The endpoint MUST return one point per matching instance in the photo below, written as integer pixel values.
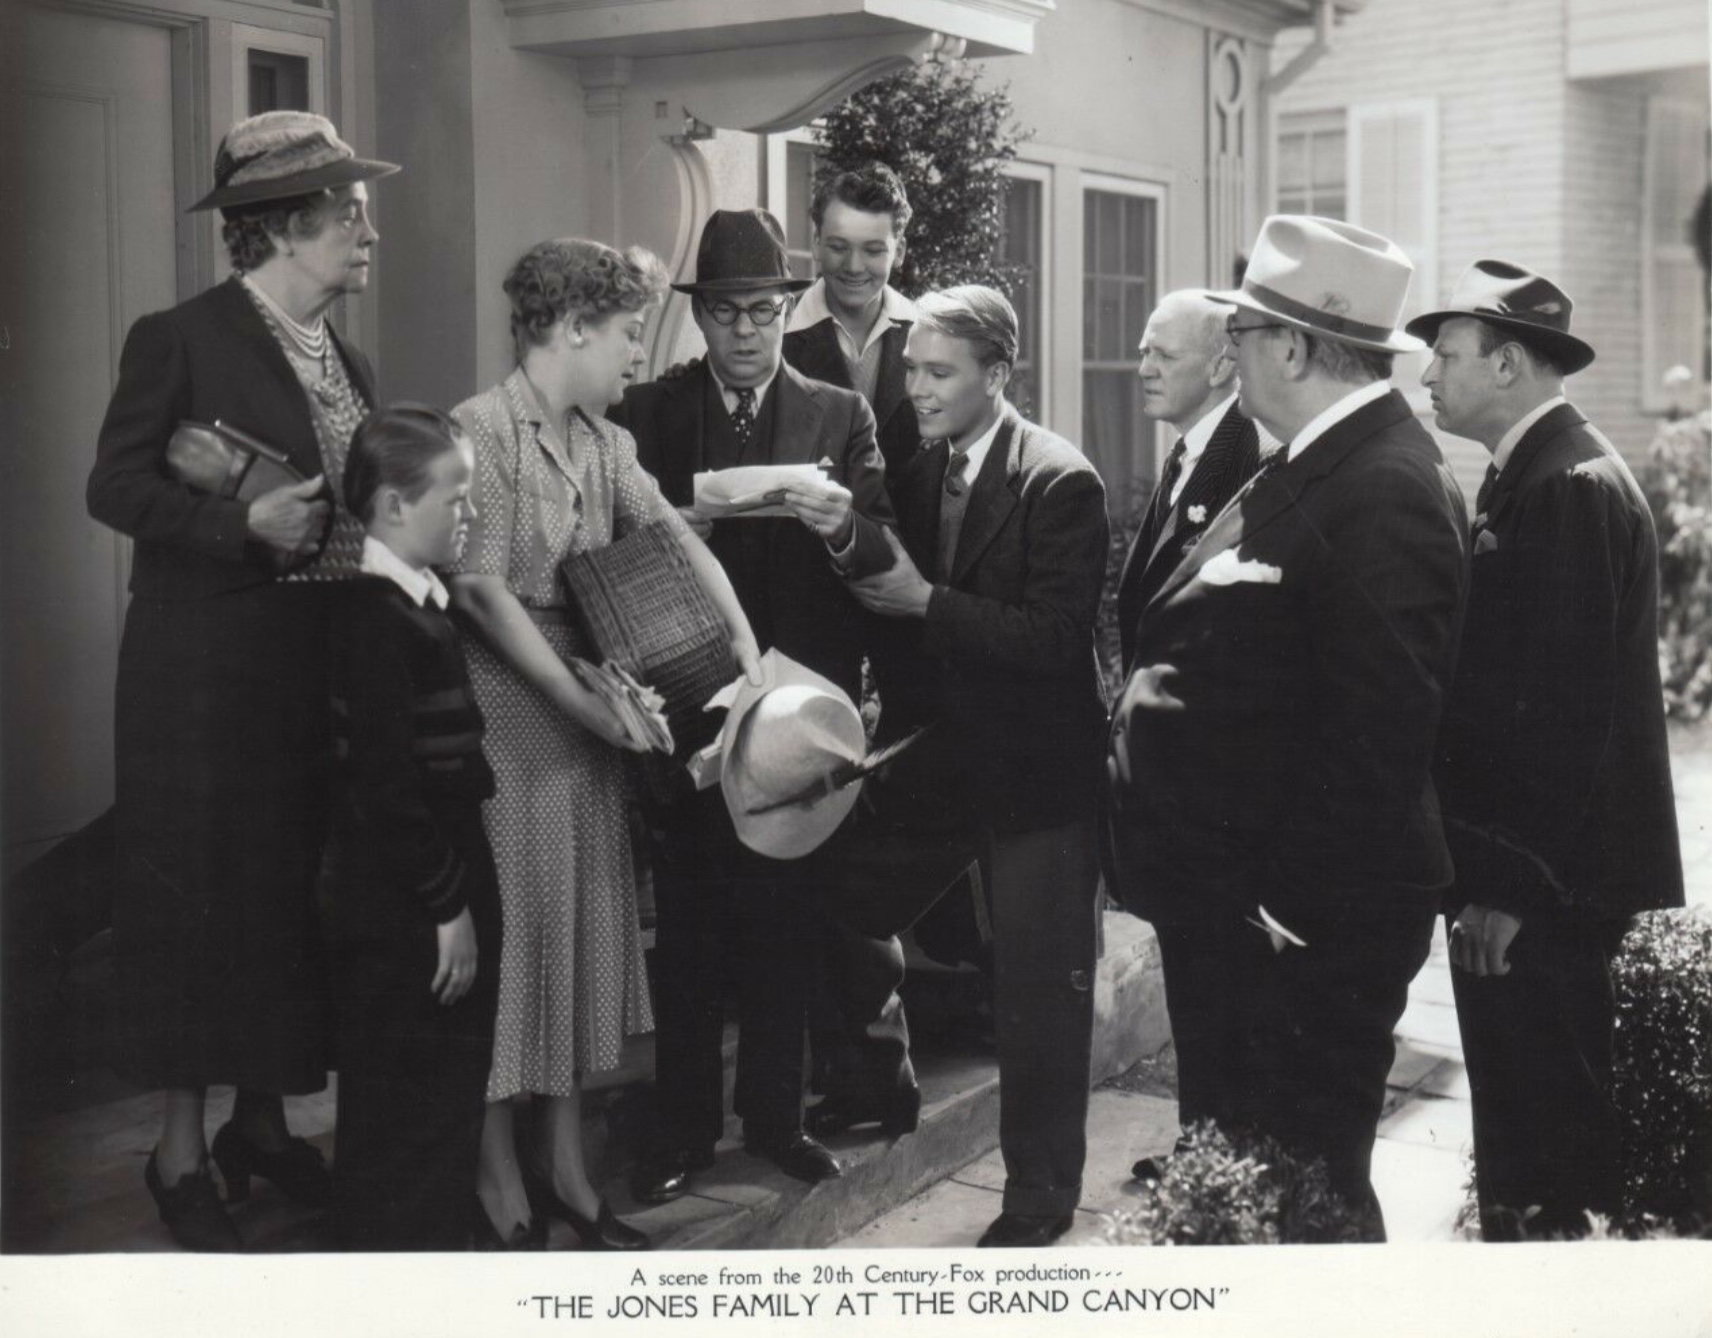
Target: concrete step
(745, 1202)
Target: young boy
(415, 918)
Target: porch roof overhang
(642, 29)
(765, 65)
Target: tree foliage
(948, 138)
(1677, 480)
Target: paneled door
(89, 244)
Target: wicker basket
(639, 603)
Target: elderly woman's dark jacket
(220, 723)
(210, 358)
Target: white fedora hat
(782, 747)
(1330, 279)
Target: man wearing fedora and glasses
(1553, 765)
(1271, 749)
(717, 901)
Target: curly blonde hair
(571, 275)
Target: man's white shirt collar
(978, 452)
(812, 309)
(1195, 442)
(1519, 429)
(1331, 416)
(730, 396)
(420, 586)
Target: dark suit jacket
(791, 592)
(209, 358)
(815, 353)
(1311, 695)
(1229, 461)
(1553, 763)
(1004, 659)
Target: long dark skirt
(222, 804)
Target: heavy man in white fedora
(1271, 749)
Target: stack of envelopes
(637, 706)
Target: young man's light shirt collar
(977, 452)
(421, 586)
(895, 309)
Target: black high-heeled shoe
(298, 1169)
(485, 1236)
(192, 1212)
(603, 1232)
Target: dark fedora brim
(743, 285)
(329, 177)
(1563, 348)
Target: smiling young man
(993, 596)
(849, 328)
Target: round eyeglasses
(761, 313)
(1235, 332)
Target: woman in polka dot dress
(552, 477)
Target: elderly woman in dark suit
(221, 729)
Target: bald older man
(1188, 379)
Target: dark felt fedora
(1535, 310)
(742, 249)
(281, 154)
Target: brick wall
(1532, 168)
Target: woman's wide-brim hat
(282, 154)
(1328, 278)
(781, 744)
(1517, 300)
(740, 250)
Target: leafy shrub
(1663, 1073)
(1662, 1084)
(948, 138)
(1677, 481)
(1217, 1190)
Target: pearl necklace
(310, 341)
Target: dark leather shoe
(602, 1232)
(897, 1114)
(298, 1168)
(192, 1212)
(484, 1236)
(667, 1176)
(1149, 1170)
(796, 1154)
(1018, 1230)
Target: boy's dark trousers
(412, 1074)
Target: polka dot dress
(571, 980)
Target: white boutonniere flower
(1229, 569)
(1197, 514)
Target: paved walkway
(1424, 1136)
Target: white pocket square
(1228, 569)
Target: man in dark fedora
(720, 905)
(993, 595)
(1271, 749)
(1552, 764)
